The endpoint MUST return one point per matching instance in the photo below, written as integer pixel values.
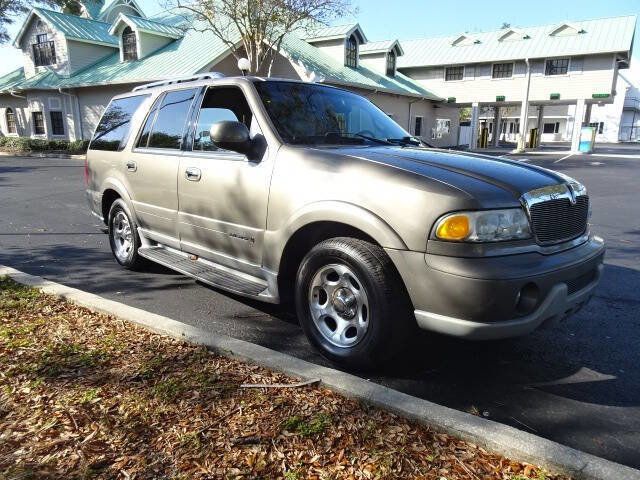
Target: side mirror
(232, 136)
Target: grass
(86, 396)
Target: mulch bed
(83, 395)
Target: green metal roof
(323, 32)
(11, 79)
(604, 35)
(74, 27)
(93, 7)
(381, 47)
(149, 26)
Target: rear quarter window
(113, 130)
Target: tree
(11, 9)
(259, 26)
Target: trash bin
(587, 139)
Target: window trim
(391, 54)
(444, 73)
(64, 132)
(44, 123)
(513, 68)
(544, 71)
(132, 33)
(347, 51)
(7, 111)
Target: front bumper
(478, 298)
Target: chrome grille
(557, 220)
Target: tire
(123, 236)
(351, 303)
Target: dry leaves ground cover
(83, 395)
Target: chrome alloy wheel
(339, 305)
(122, 236)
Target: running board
(209, 273)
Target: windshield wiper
(404, 141)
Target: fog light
(527, 298)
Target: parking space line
(564, 158)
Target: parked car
(286, 191)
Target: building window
(391, 64)
(557, 66)
(129, 45)
(502, 70)
(599, 126)
(351, 54)
(453, 73)
(44, 51)
(57, 124)
(418, 128)
(11, 121)
(38, 123)
(551, 127)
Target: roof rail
(170, 81)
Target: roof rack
(170, 81)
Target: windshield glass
(305, 113)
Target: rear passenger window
(168, 128)
(112, 132)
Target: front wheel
(123, 236)
(351, 302)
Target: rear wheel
(123, 236)
(351, 302)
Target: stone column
(577, 125)
(475, 113)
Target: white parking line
(564, 158)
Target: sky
(407, 19)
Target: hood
(480, 176)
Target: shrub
(25, 144)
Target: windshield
(317, 115)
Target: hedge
(25, 144)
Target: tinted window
(220, 104)
(113, 130)
(172, 114)
(146, 130)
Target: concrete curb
(65, 156)
(491, 435)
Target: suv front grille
(576, 284)
(558, 220)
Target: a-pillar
(475, 114)
(497, 130)
(577, 125)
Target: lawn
(83, 395)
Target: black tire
(389, 314)
(131, 260)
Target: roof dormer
(465, 40)
(566, 29)
(341, 42)
(512, 35)
(139, 37)
(381, 56)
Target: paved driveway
(578, 383)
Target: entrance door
(222, 195)
(152, 168)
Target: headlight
(484, 226)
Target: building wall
(587, 75)
(376, 62)
(147, 43)
(19, 107)
(334, 48)
(37, 27)
(82, 54)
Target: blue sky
(405, 19)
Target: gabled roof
(72, 27)
(148, 26)
(11, 79)
(603, 35)
(322, 33)
(509, 34)
(383, 46)
(567, 26)
(93, 7)
(107, 6)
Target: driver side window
(221, 104)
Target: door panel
(222, 196)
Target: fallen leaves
(83, 395)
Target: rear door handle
(193, 174)
(132, 166)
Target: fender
(112, 183)
(329, 211)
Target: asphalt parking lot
(577, 383)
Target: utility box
(587, 139)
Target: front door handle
(132, 166)
(193, 174)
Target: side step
(208, 272)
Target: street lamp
(244, 65)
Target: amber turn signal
(454, 227)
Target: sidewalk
(83, 395)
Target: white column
(577, 125)
(587, 113)
(524, 111)
(497, 120)
(540, 120)
(475, 113)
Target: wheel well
(108, 197)
(304, 240)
